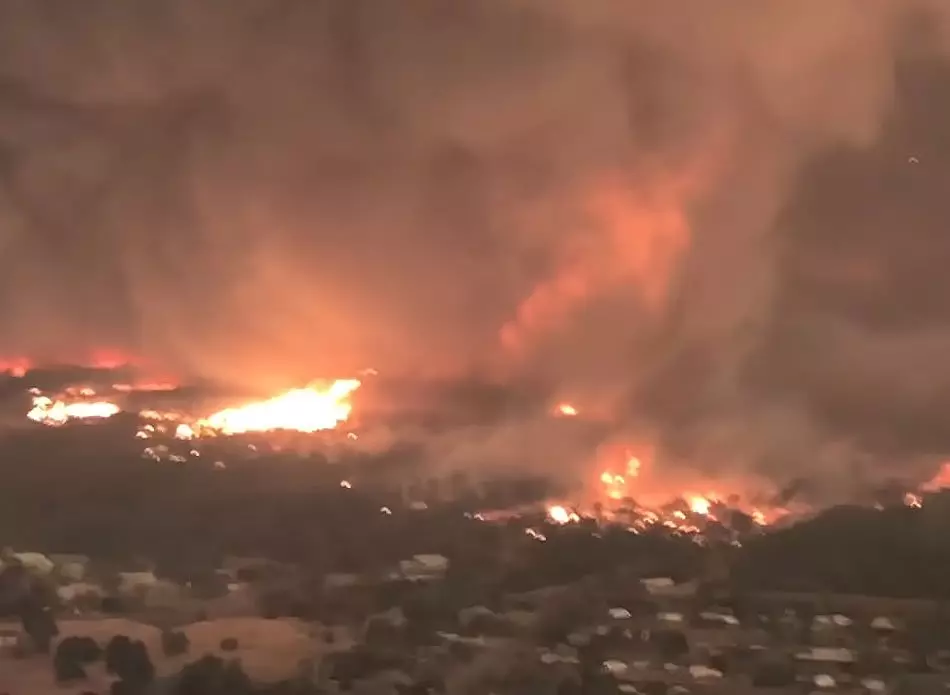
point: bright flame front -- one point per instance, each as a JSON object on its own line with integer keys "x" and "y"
{"x": 308, "y": 409}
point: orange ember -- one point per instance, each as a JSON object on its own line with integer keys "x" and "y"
{"x": 565, "y": 410}
{"x": 561, "y": 515}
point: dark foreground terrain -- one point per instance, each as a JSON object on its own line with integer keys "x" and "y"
{"x": 87, "y": 490}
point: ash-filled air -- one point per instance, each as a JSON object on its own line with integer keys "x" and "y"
{"x": 715, "y": 231}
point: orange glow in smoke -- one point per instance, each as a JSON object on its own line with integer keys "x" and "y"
{"x": 16, "y": 367}
{"x": 940, "y": 480}
{"x": 147, "y": 386}
{"x": 631, "y": 236}
{"x": 110, "y": 359}
{"x": 565, "y": 410}
{"x": 308, "y": 409}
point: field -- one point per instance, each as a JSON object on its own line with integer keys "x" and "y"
{"x": 268, "y": 649}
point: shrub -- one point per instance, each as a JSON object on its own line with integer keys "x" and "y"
{"x": 67, "y": 670}
{"x": 82, "y": 650}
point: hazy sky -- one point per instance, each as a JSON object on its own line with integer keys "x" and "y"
{"x": 719, "y": 225}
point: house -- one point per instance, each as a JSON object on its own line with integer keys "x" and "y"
{"x": 36, "y": 563}
{"x": 424, "y": 567}
{"x": 70, "y": 567}
{"x": 835, "y": 663}
{"x": 664, "y": 587}
{"x": 341, "y": 580}
{"x": 657, "y": 584}
{"x": 136, "y": 582}
{"x": 883, "y": 624}
{"x": 74, "y": 591}
{"x": 837, "y": 655}
{"x": 162, "y": 593}
{"x": 718, "y": 618}
{"x": 9, "y": 639}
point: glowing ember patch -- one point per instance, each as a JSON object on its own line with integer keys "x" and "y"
{"x": 303, "y": 410}
{"x": 913, "y": 501}
{"x": 565, "y": 410}
{"x": 561, "y": 515}
{"x": 50, "y": 412}
{"x": 698, "y": 504}
{"x": 615, "y": 485}
{"x": 184, "y": 431}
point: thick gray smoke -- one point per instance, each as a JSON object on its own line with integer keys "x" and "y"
{"x": 714, "y": 225}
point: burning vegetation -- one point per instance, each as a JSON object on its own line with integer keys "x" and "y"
{"x": 625, "y": 489}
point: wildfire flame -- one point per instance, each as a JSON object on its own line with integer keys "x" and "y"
{"x": 49, "y": 412}
{"x": 561, "y": 515}
{"x": 565, "y": 410}
{"x": 699, "y": 504}
{"x": 308, "y": 409}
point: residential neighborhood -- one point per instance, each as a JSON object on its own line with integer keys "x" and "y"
{"x": 404, "y": 628}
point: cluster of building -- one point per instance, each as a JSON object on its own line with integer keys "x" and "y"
{"x": 650, "y": 636}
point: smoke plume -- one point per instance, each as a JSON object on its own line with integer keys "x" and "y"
{"x": 716, "y": 228}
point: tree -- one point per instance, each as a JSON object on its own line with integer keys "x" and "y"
{"x": 773, "y": 674}
{"x": 381, "y": 631}
{"x": 124, "y": 688}
{"x": 671, "y": 644}
{"x": 174, "y": 643}
{"x": 39, "y": 624}
{"x": 129, "y": 661}
{"x": 82, "y": 650}
{"x": 213, "y": 676}
{"x": 67, "y": 669}
{"x": 229, "y": 644}
{"x": 117, "y": 651}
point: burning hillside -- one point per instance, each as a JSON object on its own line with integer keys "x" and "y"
{"x": 618, "y": 486}
{"x": 313, "y": 408}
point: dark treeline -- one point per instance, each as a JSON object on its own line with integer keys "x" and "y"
{"x": 87, "y": 490}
